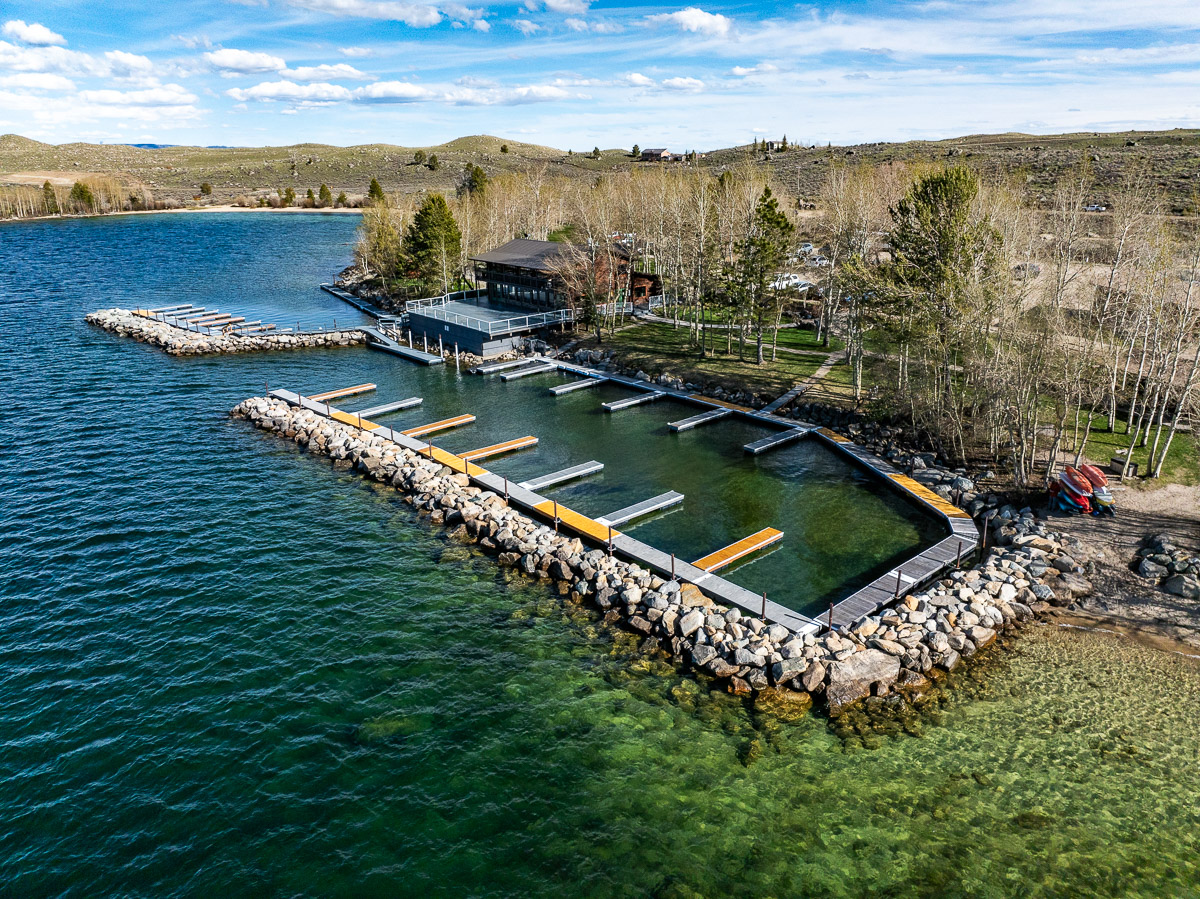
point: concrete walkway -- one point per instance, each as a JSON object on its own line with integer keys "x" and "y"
{"x": 804, "y": 385}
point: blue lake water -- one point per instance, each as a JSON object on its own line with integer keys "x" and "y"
{"x": 231, "y": 668}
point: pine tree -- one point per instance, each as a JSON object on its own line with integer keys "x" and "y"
{"x": 504, "y": 148}
{"x": 375, "y": 195}
{"x": 475, "y": 181}
{"x": 289, "y": 196}
{"x": 342, "y": 199}
{"x": 206, "y": 189}
{"x": 419, "y": 157}
{"x": 595, "y": 152}
{"x": 433, "y": 244}
{"x": 637, "y": 151}
{"x": 82, "y": 197}
{"x": 49, "y": 199}
{"x": 759, "y": 255}
{"x": 310, "y": 199}
{"x": 324, "y": 196}
{"x": 434, "y": 165}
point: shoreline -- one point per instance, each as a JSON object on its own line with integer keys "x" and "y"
{"x": 293, "y": 210}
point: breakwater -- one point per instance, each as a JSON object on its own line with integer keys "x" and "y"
{"x": 176, "y": 341}
{"x": 901, "y": 649}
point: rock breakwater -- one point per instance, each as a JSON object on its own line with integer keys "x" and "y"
{"x": 898, "y": 650}
{"x": 181, "y": 342}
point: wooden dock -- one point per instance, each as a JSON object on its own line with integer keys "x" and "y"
{"x": 686, "y": 424}
{"x": 581, "y": 384}
{"x": 645, "y": 507}
{"x": 341, "y": 392}
{"x": 392, "y": 407}
{"x": 435, "y": 426}
{"x": 347, "y": 297}
{"x": 774, "y": 441}
{"x": 741, "y": 549}
{"x": 496, "y": 449}
{"x": 617, "y": 405}
{"x": 542, "y": 369}
{"x": 563, "y": 476}
{"x": 580, "y": 524}
{"x": 708, "y": 400}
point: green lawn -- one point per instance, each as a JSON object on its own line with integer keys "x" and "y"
{"x": 1183, "y": 461}
{"x": 660, "y": 348}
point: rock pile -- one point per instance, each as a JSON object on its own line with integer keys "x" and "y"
{"x": 1160, "y": 561}
{"x": 181, "y": 342}
{"x": 899, "y": 649}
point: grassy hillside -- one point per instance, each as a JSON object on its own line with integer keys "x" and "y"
{"x": 1172, "y": 159}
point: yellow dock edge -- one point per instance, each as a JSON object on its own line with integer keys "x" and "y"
{"x": 735, "y": 551}
{"x": 343, "y": 391}
{"x": 722, "y": 403}
{"x": 434, "y": 426}
{"x": 580, "y": 524}
{"x": 943, "y": 505}
{"x": 496, "y": 449}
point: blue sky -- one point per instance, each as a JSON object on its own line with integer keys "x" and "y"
{"x": 574, "y": 74}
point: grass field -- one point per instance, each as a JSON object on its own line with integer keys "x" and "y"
{"x": 1183, "y": 461}
{"x": 660, "y": 348}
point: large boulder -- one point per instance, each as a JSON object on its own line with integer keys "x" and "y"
{"x": 1182, "y": 585}
{"x": 853, "y": 678}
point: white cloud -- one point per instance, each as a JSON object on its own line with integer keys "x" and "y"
{"x": 575, "y": 7}
{"x": 167, "y": 95}
{"x": 192, "y": 41}
{"x": 415, "y": 14}
{"x": 356, "y": 52}
{"x": 482, "y": 25}
{"x": 392, "y": 92}
{"x": 48, "y": 59}
{"x": 38, "y": 35}
{"x": 760, "y": 69}
{"x": 130, "y": 66}
{"x": 595, "y": 26}
{"x": 244, "y": 62}
{"x": 289, "y": 90}
{"x": 337, "y": 72}
{"x": 683, "y": 84}
{"x": 38, "y": 81}
{"x": 526, "y": 27}
{"x": 697, "y": 21}
{"x": 637, "y": 79}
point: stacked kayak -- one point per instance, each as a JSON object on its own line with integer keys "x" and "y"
{"x": 1083, "y": 490}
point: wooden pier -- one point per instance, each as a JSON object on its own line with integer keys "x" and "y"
{"x": 563, "y": 476}
{"x": 435, "y": 426}
{"x": 542, "y": 369}
{"x": 617, "y": 405}
{"x": 392, "y": 407}
{"x": 774, "y": 441}
{"x": 496, "y": 449}
{"x": 645, "y": 507}
{"x": 347, "y": 297}
{"x": 342, "y": 392}
{"x": 581, "y": 384}
{"x": 686, "y": 424}
{"x": 739, "y": 550}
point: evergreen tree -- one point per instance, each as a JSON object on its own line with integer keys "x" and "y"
{"x": 595, "y": 152}
{"x": 310, "y": 199}
{"x": 637, "y": 151}
{"x": 504, "y": 148}
{"x": 419, "y": 157}
{"x": 289, "y": 196}
{"x": 434, "y": 165}
{"x": 433, "y": 245}
{"x": 375, "y": 195}
{"x": 324, "y": 196}
{"x": 475, "y": 181}
{"x": 206, "y": 189}
{"x": 759, "y": 255}
{"x": 82, "y": 197}
{"x": 49, "y": 199}
{"x": 342, "y": 200}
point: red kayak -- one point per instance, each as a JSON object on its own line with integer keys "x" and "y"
{"x": 1094, "y": 475}
{"x": 1076, "y": 482}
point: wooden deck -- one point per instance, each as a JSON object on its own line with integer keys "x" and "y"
{"x": 742, "y": 548}
{"x": 497, "y": 449}
{"x": 434, "y": 426}
{"x": 341, "y": 392}
{"x": 580, "y": 524}
{"x": 352, "y": 419}
{"x": 724, "y": 405}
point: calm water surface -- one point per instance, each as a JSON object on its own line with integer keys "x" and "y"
{"x": 229, "y": 668}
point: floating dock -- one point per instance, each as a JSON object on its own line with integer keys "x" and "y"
{"x": 542, "y": 369}
{"x": 581, "y": 384}
{"x": 496, "y": 449}
{"x": 378, "y": 340}
{"x": 435, "y": 426}
{"x": 563, "y": 476}
{"x": 492, "y": 367}
{"x": 741, "y": 549}
{"x": 341, "y": 392}
{"x": 347, "y": 297}
{"x": 645, "y": 507}
{"x": 392, "y": 407}
{"x": 617, "y": 405}
{"x": 773, "y": 441}
{"x": 686, "y": 424}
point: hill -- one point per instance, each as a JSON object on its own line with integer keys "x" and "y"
{"x": 1171, "y": 159}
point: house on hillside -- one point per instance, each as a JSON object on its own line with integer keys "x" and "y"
{"x": 527, "y": 274}
{"x": 658, "y": 154}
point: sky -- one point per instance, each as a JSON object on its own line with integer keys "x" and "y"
{"x": 577, "y": 74}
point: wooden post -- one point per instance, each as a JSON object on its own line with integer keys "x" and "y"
{"x": 610, "y": 539}
{"x": 958, "y": 556}
{"x": 899, "y": 573}
{"x": 831, "y": 616}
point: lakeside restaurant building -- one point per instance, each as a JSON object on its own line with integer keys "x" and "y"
{"x": 519, "y": 292}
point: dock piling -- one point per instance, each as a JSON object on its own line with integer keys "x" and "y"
{"x": 672, "y": 566}
{"x": 831, "y": 616}
{"x": 899, "y": 575}
{"x": 506, "y": 488}
{"x": 958, "y": 556}
{"x": 764, "y": 605}
{"x": 556, "y": 516}
{"x": 610, "y": 539}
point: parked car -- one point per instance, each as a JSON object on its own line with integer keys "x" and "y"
{"x": 1095, "y": 207}
{"x": 806, "y": 248}
{"x": 821, "y": 262}
{"x": 787, "y": 281}
{"x": 1025, "y": 270}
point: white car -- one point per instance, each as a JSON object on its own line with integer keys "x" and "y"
{"x": 806, "y": 248}
{"x": 1095, "y": 207}
{"x": 787, "y": 281}
{"x": 821, "y": 262}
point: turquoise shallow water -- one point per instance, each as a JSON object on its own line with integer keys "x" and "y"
{"x": 230, "y": 668}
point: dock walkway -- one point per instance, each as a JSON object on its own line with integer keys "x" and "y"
{"x": 574, "y": 473}
{"x": 542, "y": 369}
{"x": 617, "y": 405}
{"x": 773, "y": 441}
{"x": 378, "y": 340}
{"x": 645, "y": 507}
{"x": 686, "y": 424}
{"x": 581, "y": 384}
{"x": 392, "y": 407}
